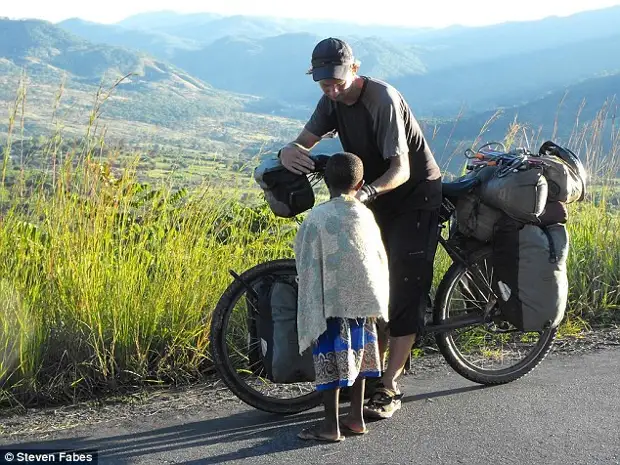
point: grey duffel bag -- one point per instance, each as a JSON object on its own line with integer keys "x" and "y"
{"x": 564, "y": 184}
{"x": 530, "y": 274}
{"x": 521, "y": 193}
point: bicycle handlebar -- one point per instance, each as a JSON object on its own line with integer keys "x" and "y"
{"x": 320, "y": 162}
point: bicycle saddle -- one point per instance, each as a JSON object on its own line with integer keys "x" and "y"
{"x": 459, "y": 188}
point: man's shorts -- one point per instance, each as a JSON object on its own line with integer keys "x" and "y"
{"x": 411, "y": 241}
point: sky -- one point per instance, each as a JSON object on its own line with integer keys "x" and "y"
{"x": 434, "y": 13}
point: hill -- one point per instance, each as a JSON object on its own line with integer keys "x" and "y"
{"x": 71, "y": 80}
{"x": 583, "y": 114}
{"x": 39, "y": 45}
{"x": 157, "y": 44}
{"x": 21, "y": 40}
{"x": 208, "y": 27}
{"x": 513, "y": 80}
{"x": 275, "y": 67}
{"x": 439, "y": 71}
{"x": 447, "y": 47}
{"x": 239, "y": 94}
{"x": 459, "y": 46}
{"x": 157, "y": 20}
{"x": 583, "y": 101}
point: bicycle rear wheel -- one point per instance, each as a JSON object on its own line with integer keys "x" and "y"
{"x": 234, "y": 351}
{"x": 493, "y": 353}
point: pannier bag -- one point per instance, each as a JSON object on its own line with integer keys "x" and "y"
{"x": 274, "y": 347}
{"x": 530, "y": 274}
{"x": 287, "y": 194}
{"x": 520, "y": 192}
{"x": 475, "y": 219}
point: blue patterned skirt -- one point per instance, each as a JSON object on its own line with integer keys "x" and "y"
{"x": 348, "y": 349}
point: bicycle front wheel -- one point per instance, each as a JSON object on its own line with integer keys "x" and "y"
{"x": 493, "y": 353}
{"x": 235, "y": 351}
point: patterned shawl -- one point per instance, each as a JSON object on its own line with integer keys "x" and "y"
{"x": 342, "y": 267}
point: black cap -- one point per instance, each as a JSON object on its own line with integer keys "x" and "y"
{"x": 331, "y": 59}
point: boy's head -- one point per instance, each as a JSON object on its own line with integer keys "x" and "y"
{"x": 344, "y": 174}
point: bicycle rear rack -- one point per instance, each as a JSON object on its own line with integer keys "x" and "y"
{"x": 456, "y": 323}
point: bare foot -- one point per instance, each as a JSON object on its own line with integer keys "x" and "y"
{"x": 317, "y": 433}
{"x": 391, "y": 385}
{"x": 353, "y": 425}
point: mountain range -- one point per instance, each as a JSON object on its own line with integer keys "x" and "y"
{"x": 208, "y": 27}
{"x": 140, "y": 98}
{"x": 439, "y": 71}
{"x": 184, "y": 67}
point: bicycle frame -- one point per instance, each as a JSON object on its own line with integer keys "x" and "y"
{"x": 455, "y": 253}
{"x": 455, "y": 322}
{"x": 450, "y": 324}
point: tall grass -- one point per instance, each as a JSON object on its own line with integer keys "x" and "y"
{"x": 594, "y": 264}
{"x": 107, "y": 283}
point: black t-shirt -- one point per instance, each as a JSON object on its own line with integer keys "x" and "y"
{"x": 380, "y": 125}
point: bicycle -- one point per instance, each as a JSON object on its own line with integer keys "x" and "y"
{"x": 491, "y": 339}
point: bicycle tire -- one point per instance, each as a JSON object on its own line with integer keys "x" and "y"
{"x": 221, "y": 361}
{"x": 453, "y": 356}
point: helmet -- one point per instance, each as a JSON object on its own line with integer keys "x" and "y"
{"x": 566, "y": 155}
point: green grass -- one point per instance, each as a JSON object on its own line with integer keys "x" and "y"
{"x": 594, "y": 263}
{"x": 109, "y": 283}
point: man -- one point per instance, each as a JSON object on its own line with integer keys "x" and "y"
{"x": 402, "y": 188}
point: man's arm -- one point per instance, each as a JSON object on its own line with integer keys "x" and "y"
{"x": 305, "y": 139}
{"x": 295, "y": 155}
{"x": 391, "y": 137}
{"x": 397, "y": 174}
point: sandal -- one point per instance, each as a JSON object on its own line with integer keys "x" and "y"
{"x": 311, "y": 434}
{"x": 371, "y": 385}
{"x": 383, "y": 403}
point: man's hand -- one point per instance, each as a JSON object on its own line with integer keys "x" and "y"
{"x": 361, "y": 196}
{"x": 396, "y": 175}
{"x": 366, "y": 194}
{"x": 296, "y": 158}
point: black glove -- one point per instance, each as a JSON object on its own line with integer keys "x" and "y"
{"x": 370, "y": 193}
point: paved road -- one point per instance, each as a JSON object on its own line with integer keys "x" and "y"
{"x": 566, "y": 412}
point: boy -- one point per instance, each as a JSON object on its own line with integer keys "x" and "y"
{"x": 343, "y": 288}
